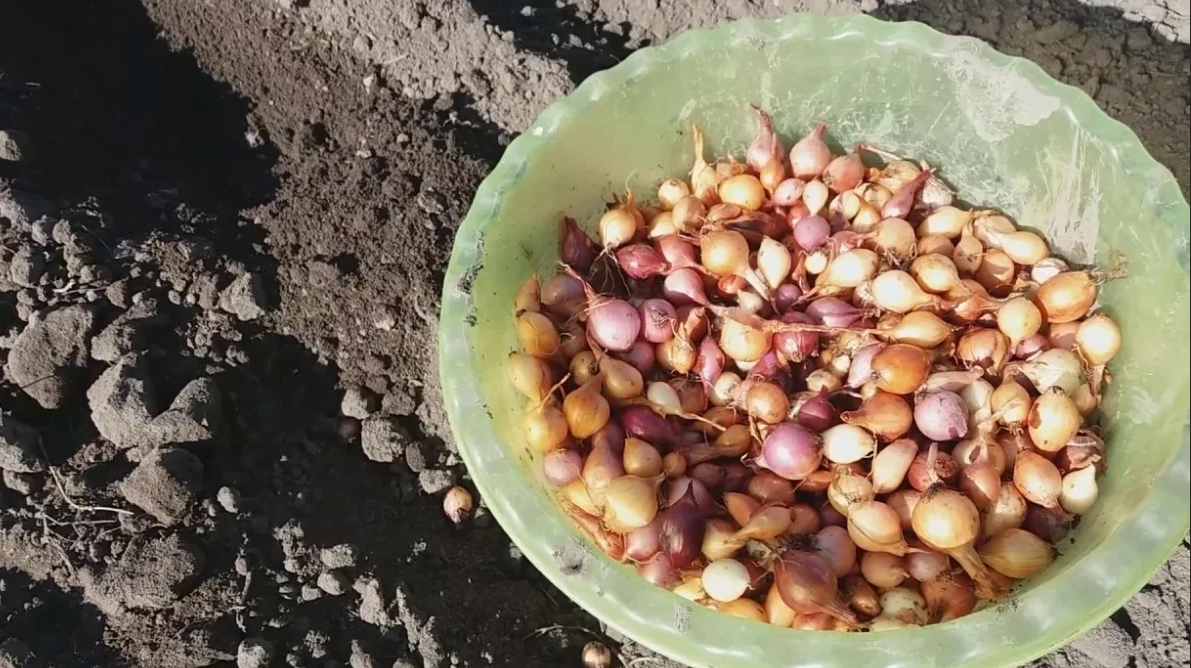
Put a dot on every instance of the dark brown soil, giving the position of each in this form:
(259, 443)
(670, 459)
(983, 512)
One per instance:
(347, 210)
(258, 216)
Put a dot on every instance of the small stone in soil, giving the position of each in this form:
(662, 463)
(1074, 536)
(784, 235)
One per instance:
(50, 355)
(123, 406)
(311, 593)
(431, 202)
(379, 385)
(194, 415)
(93, 273)
(415, 458)
(76, 262)
(358, 402)
(320, 273)
(372, 603)
(118, 293)
(15, 146)
(254, 653)
(385, 319)
(399, 401)
(241, 565)
(360, 658)
(18, 446)
(229, 499)
(383, 439)
(20, 207)
(344, 555)
(151, 573)
(194, 249)
(72, 237)
(434, 481)
(333, 582)
(9, 337)
(291, 536)
(205, 291)
(26, 267)
(164, 484)
(43, 231)
(244, 298)
(375, 364)
(127, 333)
(209, 642)
(23, 483)
(315, 643)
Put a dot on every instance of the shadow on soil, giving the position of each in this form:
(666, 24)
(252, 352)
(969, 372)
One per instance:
(51, 621)
(117, 113)
(138, 134)
(134, 140)
(560, 33)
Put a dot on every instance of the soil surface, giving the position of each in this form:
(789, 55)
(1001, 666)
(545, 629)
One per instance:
(223, 229)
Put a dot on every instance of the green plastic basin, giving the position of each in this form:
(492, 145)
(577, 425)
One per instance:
(1005, 135)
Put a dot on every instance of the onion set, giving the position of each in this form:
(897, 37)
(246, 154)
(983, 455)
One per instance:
(813, 390)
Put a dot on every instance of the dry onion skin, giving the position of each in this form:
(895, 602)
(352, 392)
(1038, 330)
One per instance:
(810, 390)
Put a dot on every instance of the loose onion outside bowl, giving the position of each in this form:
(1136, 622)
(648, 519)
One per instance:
(1003, 134)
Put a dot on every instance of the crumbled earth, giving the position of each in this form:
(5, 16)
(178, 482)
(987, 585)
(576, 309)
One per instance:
(223, 228)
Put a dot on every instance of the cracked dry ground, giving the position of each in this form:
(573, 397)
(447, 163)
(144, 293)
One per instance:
(223, 226)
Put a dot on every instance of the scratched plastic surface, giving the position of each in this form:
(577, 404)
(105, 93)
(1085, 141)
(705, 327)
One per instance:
(1005, 135)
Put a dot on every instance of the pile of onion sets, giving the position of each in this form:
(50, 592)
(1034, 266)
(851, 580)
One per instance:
(809, 389)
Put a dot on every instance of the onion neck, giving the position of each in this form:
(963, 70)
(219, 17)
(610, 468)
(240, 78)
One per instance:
(756, 282)
(837, 608)
(987, 588)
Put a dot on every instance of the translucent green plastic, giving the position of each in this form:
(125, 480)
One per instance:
(1005, 135)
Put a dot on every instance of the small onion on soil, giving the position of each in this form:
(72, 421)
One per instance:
(818, 395)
